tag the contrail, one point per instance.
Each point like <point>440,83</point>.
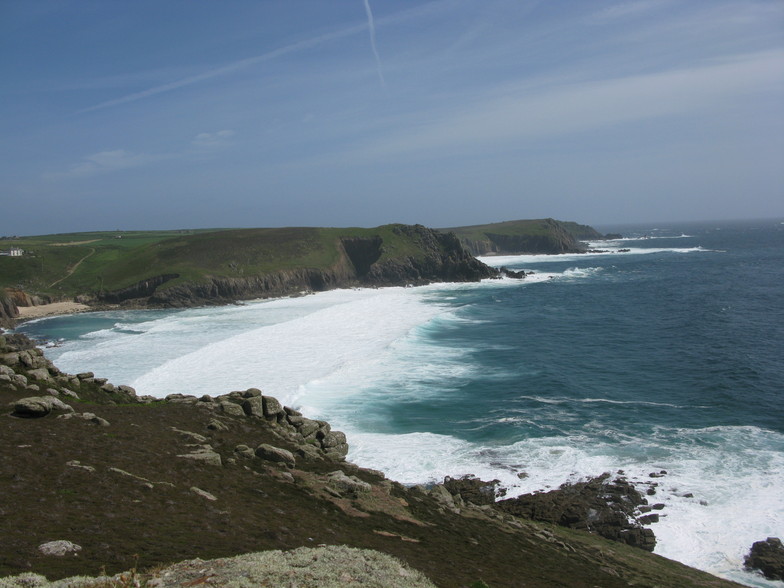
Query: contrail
<point>372,29</point>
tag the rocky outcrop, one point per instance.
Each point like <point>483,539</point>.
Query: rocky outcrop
<point>8,310</point>
<point>767,557</point>
<point>142,289</point>
<point>440,257</point>
<point>600,505</point>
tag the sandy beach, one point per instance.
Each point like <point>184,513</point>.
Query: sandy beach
<point>31,312</point>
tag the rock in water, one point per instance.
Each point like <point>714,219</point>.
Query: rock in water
<point>767,557</point>
<point>600,505</point>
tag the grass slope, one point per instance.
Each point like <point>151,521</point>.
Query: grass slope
<point>65,265</point>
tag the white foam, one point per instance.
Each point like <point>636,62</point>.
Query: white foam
<point>607,249</point>
<point>346,331</point>
<point>722,490</point>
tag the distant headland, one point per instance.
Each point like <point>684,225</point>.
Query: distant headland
<point>143,269</point>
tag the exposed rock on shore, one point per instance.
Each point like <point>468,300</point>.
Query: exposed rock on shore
<point>601,505</point>
<point>767,557</point>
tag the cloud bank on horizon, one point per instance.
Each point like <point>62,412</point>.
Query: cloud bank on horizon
<point>151,115</point>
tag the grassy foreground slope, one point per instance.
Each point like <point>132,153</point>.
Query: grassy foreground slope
<point>140,483</point>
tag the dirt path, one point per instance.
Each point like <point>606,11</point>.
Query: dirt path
<point>73,269</point>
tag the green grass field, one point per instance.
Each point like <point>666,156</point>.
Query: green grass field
<point>65,265</point>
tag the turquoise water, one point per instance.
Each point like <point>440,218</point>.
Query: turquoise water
<point>665,352</point>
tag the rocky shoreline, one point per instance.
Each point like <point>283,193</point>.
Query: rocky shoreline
<point>158,454</point>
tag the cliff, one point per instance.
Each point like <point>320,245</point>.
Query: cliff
<point>8,310</point>
<point>545,236</point>
<point>98,478</point>
<point>398,255</point>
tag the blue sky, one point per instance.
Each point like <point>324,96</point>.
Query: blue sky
<point>195,113</point>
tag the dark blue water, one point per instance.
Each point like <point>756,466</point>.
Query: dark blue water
<point>676,338</point>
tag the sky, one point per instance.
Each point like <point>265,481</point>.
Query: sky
<point>143,114</point>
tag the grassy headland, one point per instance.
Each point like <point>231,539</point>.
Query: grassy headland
<point>525,236</point>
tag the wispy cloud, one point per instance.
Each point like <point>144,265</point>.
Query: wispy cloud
<point>213,141</point>
<point>524,112</point>
<point>226,69</point>
<point>629,8</point>
<point>104,162</point>
<point>372,30</point>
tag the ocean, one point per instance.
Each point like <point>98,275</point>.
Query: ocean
<point>661,353</point>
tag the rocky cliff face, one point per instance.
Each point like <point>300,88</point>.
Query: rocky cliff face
<point>434,257</point>
<point>8,310</point>
<point>443,259</point>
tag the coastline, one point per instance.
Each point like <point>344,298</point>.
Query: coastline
<point>51,309</point>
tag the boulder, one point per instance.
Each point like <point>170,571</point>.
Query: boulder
<point>767,557</point>
<point>40,374</point>
<point>337,453</point>
<point>472,489</point>
<point>203,493</point>
<point>344,484</point>
<point>253,406</point>
<point>276,454</point>
<point>244,451</point>
<point>231,409</point>
<point>38,406</point>
<point>59,548</point>
<point>333,439</point>
<point>127,390</point>
<point>206,454</point>
<point>216,425</point>
<point>271,407</point>
<point>306,427</point>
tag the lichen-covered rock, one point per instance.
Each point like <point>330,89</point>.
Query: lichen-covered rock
<point>253,406</point>
<point>333,439</point>
<point>276,454</point>
<point>206,455</point>
<point>271,407</point>
<point>59,548</point>
<point>38,406</point>
<point>244,451</point>
<point>231,409</point>
<point>203,493</point>
<point>347,484</point>
<point>40,374</point>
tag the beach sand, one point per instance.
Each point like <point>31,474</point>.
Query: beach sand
<point>55,308</point>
